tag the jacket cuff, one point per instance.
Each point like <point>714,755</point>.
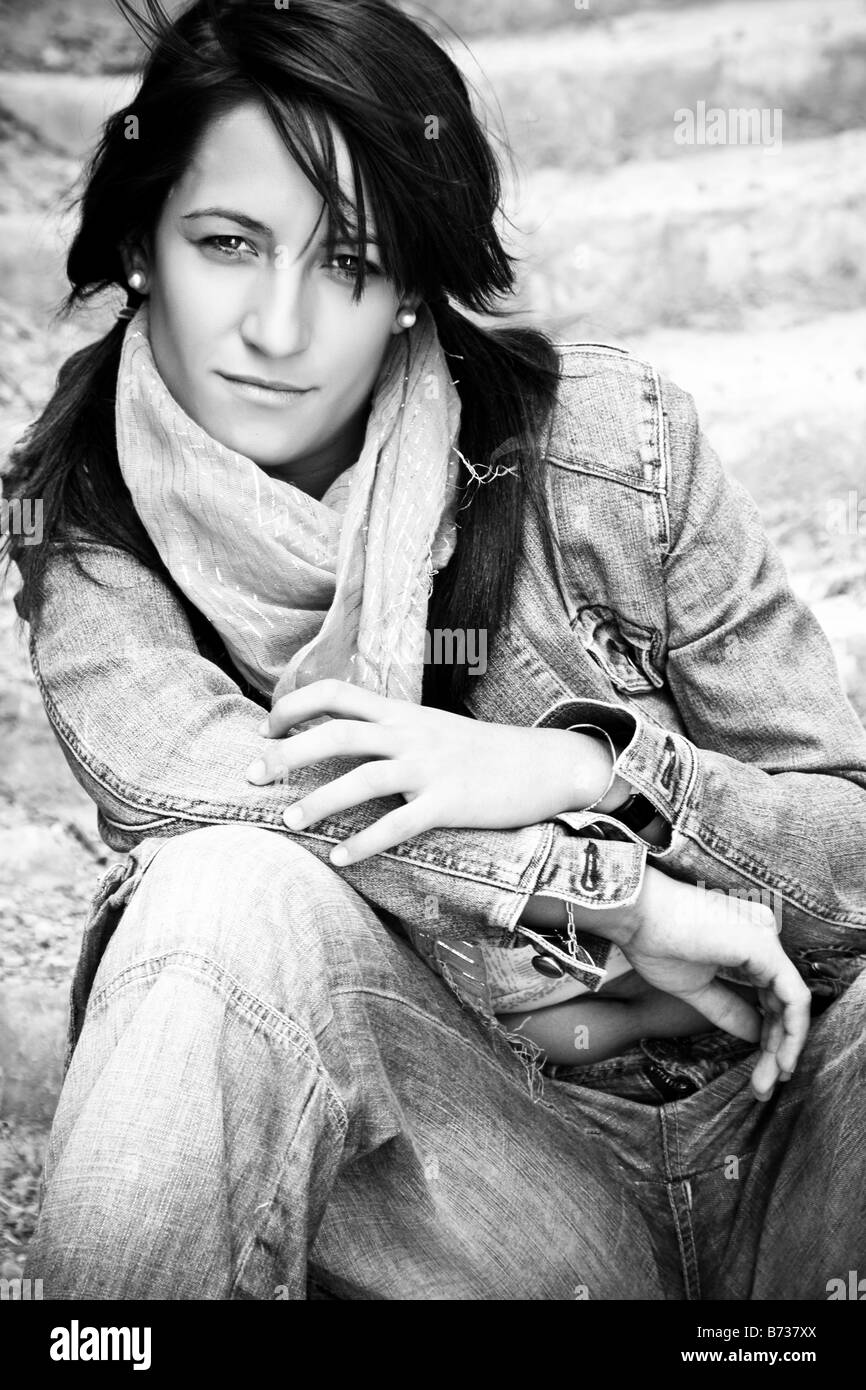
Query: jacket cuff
<point>660,764</point>
<point>589,872</point>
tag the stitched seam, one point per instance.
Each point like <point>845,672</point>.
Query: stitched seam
<point>662,449</point>
<point>584,466</point>
<point>670,1183</point>
<point>255,1011</point>
<point>648,788</point>
<point>676,1126</point>
<point>680,1242</point>
<point>782,886</point>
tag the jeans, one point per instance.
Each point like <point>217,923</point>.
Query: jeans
<point>272,1096</point>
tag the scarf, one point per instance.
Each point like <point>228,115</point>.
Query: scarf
<point>301,589</point>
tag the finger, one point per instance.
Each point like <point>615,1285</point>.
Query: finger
<point>792,1006</point>
<point>797,1018</point>
<point>767,1003</point>
<point>334,697</point>
<point>775,1035</point>
<point>391,830</point>
<point>338,738</point>
<point>765,1074</point>
<point>726,1009</point>
<point>352,789</point>
<point>765,963</point>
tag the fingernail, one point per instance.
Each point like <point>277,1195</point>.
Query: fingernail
<point>785,1075</point>
<point>293,817</point>
<point>257,770</point>
<point>339,855</point>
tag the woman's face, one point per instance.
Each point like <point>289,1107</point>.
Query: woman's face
<point>233,296</point>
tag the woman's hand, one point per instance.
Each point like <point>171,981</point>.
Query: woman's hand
<point>451,770</point>
<point>680,936</point>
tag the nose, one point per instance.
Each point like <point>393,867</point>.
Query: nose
<point>276,319</point>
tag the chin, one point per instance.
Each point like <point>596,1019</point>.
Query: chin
<point>265,458</point>
<point>262,452</point>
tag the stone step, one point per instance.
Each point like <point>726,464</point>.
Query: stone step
<point>717,240</point>
<point>595,90</point>
<point>478,18</point>
<point>589,96</point>
<point>92,36</point>
<point>760,389</point>
<point>66,110</point>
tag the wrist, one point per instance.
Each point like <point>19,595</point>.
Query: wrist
<point>590,782</point>
<point>617,924</point>
<point>606,791</point>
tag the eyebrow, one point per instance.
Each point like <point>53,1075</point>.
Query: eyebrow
<point>250,223</point>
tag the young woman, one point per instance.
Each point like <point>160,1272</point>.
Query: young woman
<point>418,980</point>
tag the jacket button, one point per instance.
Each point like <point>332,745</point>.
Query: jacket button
<point>546,965</point>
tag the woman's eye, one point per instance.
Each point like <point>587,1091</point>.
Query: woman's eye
<point>349,274</point>
<point>229,247</point>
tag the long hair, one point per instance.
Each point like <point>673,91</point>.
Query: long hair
<point>404,111</point>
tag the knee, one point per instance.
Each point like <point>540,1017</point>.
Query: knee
<point>243,859</point>
<point>248,899</point>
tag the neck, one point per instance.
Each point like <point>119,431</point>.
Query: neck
<point>315,472</point>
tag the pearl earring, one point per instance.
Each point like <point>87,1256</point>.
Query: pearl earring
<point>406,318</point>
<point>136,281</point>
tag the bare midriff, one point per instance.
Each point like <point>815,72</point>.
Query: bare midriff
<point>591,1028</point>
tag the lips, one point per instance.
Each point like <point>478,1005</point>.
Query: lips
<point>264,383</point>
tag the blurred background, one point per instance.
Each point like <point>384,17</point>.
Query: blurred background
<point>731,254</point>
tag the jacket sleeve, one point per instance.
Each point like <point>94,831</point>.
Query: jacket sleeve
<point>766,795</point>
<point>160,737</point>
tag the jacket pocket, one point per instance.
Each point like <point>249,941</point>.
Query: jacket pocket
<point>627,652</point>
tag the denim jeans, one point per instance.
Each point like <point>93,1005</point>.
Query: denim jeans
<point>270,1095</point>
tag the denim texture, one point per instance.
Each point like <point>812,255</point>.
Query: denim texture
<point>272,1097</point>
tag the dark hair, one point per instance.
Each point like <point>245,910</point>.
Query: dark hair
<point>435,202</point>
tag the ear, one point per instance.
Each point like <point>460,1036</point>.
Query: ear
<point>405,301</point>
<point>134,256</point>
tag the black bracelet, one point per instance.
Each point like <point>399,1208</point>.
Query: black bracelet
<point>636,813</point>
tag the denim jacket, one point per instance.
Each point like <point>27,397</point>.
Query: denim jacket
<point>670,623</point>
